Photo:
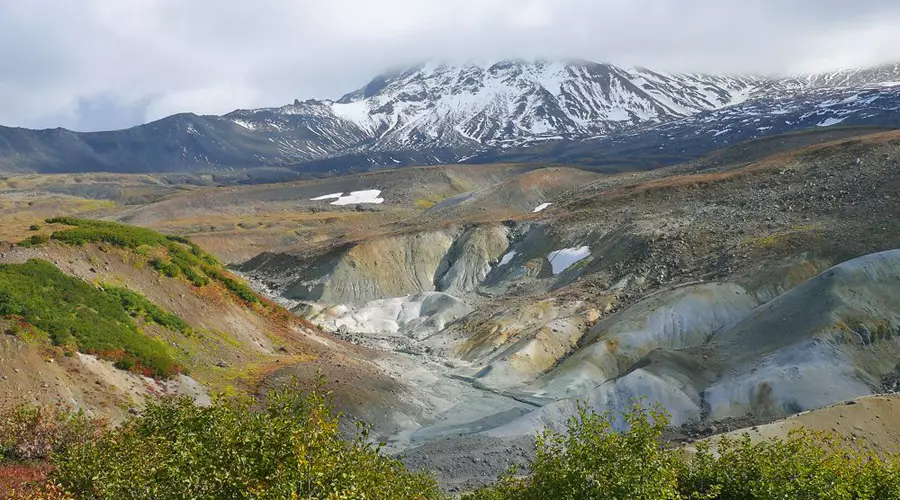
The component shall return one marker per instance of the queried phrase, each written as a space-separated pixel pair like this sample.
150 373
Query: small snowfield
563 259
507 258
354 198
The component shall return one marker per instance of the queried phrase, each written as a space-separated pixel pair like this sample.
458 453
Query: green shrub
34 227
590 462
236 287
30 432
137 305
184 257
75 313
291 447
98 231
165 268
807 465
35 240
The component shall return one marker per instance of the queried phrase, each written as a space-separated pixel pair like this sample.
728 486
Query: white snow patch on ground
830 121
563 259
507 258
542 206
365 196
331 196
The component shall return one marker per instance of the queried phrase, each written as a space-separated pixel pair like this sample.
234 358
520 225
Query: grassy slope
179 256
75 314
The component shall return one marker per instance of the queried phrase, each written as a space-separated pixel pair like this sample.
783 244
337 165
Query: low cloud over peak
99 64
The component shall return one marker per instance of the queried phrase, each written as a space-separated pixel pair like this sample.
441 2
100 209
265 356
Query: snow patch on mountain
560 260
356 197
331 196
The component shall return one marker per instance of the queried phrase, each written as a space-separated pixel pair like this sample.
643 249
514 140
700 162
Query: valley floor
748 290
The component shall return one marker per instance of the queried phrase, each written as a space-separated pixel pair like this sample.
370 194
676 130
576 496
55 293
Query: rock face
470 259
453 260
417 315
672 320
831 339
446 113
775 360
378 269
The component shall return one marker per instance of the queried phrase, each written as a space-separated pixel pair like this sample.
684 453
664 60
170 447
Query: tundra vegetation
172 256
38 299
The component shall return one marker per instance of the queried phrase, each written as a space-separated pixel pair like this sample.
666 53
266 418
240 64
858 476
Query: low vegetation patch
30 432
588 461
291 447
76 314
181 258
35 240
139 306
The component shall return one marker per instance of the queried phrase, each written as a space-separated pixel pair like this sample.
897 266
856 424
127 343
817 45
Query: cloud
98 64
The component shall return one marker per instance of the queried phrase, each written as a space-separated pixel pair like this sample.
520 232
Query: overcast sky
102 64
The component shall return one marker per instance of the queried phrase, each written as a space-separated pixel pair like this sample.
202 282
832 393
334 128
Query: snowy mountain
440 113
470 105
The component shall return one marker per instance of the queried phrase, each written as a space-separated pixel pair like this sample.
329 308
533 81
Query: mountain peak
441 111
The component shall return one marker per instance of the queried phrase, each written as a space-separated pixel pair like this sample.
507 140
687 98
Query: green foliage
290 448
30 432
806 466
74 313
183 258
589 462
96 231
236 287
165 268
35 240
34 227
137 305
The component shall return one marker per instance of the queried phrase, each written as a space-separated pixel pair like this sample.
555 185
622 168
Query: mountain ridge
441 113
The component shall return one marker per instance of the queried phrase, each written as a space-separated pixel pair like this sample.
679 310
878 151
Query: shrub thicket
589 462
99 231
137 305
289 448
182 258
30 432
35 240
75 313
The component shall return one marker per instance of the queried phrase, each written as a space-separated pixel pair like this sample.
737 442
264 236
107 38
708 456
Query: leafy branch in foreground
291 447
